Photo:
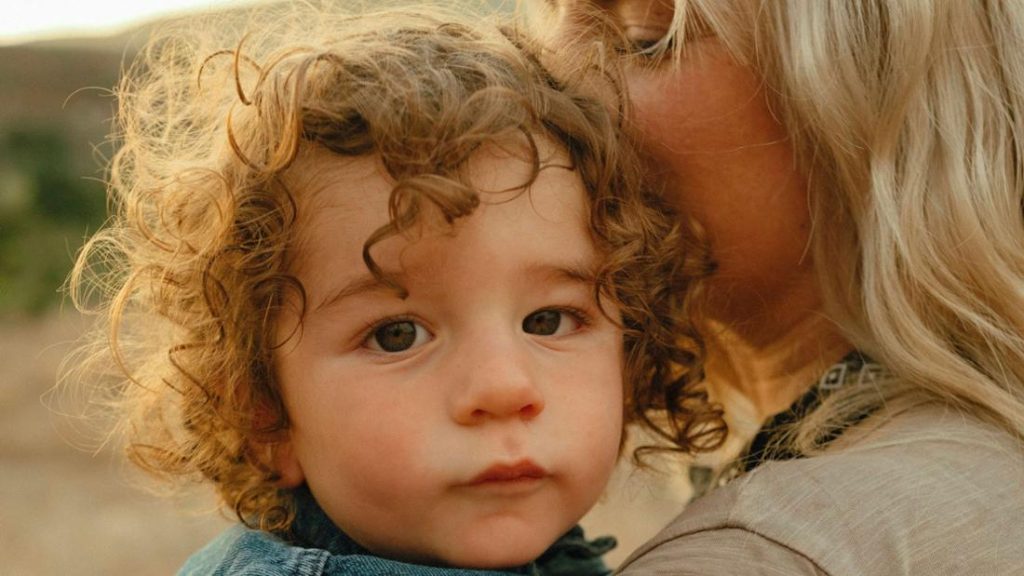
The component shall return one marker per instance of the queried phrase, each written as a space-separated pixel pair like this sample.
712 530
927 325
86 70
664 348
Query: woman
857 166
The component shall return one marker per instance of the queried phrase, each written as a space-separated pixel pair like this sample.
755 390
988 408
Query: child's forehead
327 187
344 200
321 178
315 176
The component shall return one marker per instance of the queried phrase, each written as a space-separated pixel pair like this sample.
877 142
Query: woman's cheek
707 129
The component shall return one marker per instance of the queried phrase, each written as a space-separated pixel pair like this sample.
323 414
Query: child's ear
287 465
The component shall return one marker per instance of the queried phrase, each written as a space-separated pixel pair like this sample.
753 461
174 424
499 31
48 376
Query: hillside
56 110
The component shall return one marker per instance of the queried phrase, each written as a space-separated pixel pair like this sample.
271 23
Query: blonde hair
194 265
907 114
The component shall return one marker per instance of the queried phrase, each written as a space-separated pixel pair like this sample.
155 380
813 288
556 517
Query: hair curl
194 266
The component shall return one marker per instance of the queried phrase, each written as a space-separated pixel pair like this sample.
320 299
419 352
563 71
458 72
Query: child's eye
397 336
552 322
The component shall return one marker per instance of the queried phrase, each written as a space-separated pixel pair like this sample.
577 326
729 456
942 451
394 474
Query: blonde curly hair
194 265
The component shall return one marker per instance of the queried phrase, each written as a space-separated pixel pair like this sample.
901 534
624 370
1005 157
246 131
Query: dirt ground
66 510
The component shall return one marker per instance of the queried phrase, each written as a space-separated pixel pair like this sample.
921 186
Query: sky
26 20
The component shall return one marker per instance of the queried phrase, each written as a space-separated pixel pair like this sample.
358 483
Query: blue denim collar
313 529
571 555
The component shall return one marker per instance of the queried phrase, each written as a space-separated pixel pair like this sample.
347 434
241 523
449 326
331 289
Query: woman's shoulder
929 490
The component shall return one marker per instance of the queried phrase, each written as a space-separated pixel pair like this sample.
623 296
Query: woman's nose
496 382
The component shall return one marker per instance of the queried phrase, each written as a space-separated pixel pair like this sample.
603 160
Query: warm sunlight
46 19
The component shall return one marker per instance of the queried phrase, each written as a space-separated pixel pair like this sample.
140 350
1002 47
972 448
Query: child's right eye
397 336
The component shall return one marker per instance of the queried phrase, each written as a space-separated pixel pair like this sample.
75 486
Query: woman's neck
771 370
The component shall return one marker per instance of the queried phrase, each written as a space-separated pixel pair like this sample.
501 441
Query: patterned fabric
855 369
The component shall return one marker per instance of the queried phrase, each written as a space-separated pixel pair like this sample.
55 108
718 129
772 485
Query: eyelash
645 48
581 316
371 327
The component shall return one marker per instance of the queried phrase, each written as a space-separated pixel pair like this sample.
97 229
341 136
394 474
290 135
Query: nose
496 382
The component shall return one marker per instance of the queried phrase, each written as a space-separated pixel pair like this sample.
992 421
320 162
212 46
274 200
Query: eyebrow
361 285
576 272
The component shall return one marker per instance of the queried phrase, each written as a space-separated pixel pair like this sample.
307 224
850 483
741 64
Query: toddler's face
477 420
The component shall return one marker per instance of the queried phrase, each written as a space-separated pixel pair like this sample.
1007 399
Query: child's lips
521 472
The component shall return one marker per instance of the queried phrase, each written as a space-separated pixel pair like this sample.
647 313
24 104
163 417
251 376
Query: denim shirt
316 547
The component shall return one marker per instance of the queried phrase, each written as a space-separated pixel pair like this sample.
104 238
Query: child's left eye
397 336
552 322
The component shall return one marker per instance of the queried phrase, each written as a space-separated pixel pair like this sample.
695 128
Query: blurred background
67 507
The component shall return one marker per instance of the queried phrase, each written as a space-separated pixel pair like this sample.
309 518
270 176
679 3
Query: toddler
392 290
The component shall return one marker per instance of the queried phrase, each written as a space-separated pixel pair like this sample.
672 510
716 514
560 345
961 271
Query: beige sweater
931 492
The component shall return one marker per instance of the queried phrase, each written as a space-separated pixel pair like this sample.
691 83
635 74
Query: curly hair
193 267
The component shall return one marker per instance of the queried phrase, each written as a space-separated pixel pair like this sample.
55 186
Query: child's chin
496 553
488 560
497 543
